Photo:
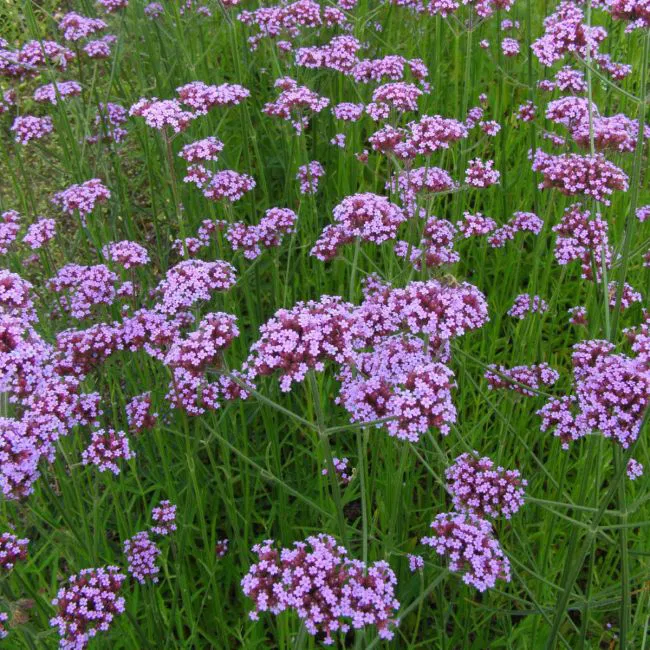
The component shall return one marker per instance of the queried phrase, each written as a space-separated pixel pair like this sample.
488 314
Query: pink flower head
141 554
83 197
59 90
471 548
28 127
206 149
164 516
87 604
309 175
228 185
330 592
161 114
525 304
477 486
126 253
106 447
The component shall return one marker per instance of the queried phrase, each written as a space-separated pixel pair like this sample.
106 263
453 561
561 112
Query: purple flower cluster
53 92
308 175
139 414
39 233
369 217
341 469
164 516
480 488
573 174
86 605
526 380
269 232
471 548
76 27
612 394
141 554
83 287
162 114
330 592
126 254
294 102
634 469
525 304
107 446
192 281
29 127
12 550
202 97
83 197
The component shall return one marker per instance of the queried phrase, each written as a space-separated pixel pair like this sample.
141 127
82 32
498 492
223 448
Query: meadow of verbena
324 324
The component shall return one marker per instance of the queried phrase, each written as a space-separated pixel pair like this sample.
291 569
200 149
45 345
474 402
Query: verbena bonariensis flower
39 233
510 47
399 97
578 315
203 348
636 12
573 174
192 281
330 592
568 79
228 185
100 48
643 213
527 112
276 223
221 547
613 392
616 133
433 132
294 103
16 297
391 67
634 469
9 227
87 604
83 197
205 149
475 225
399 380
412 183
139 413
18 460
481 174
582 238
564 33
529 379
416 562
440 310
370 217
202 98
164 516
612 395
141 554
338 140
83 287
76 27
629 295
126 253
341 469
339 54
525 304
29 127
300 339
154 10
571 111
479 487
309 176
347 111
436 247
4 617
35 54
471 548
108 123
161 114
111 6
59 90
12 550
107 446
